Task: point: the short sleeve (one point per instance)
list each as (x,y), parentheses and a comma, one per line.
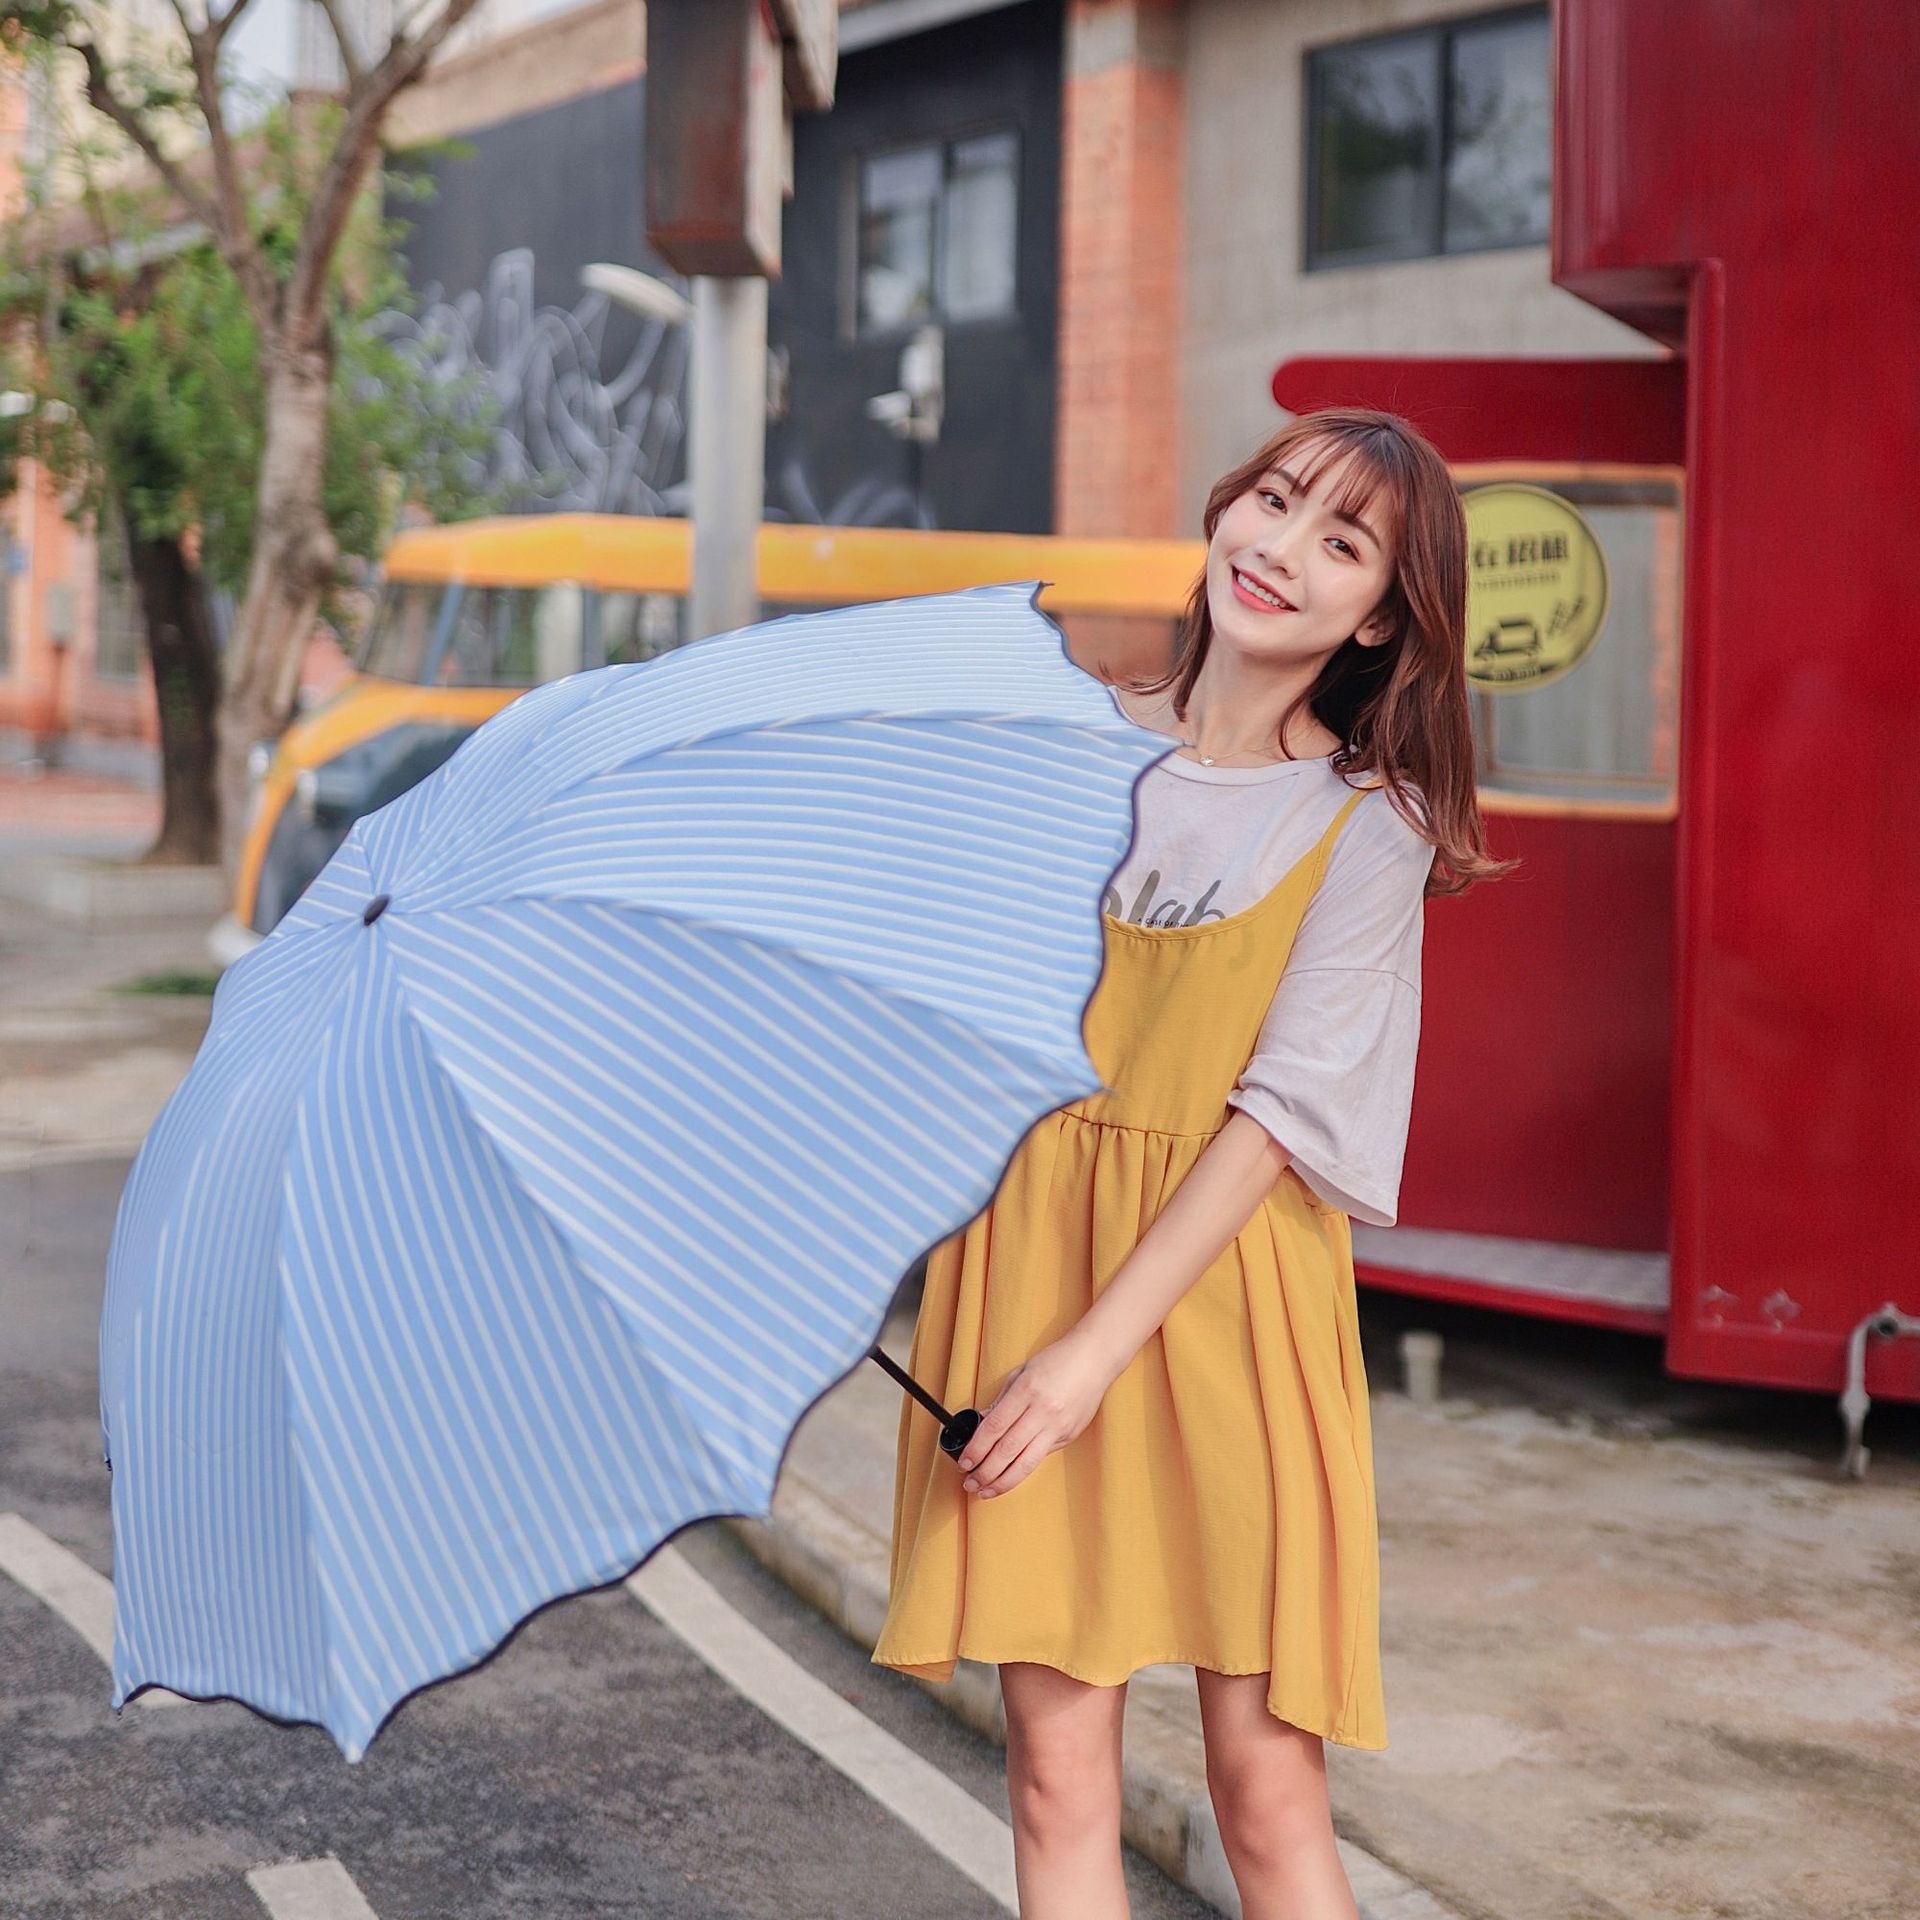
(1331,1074)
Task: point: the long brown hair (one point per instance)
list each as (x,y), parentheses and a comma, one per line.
(1400,708)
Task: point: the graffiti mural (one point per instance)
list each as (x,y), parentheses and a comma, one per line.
(571,436)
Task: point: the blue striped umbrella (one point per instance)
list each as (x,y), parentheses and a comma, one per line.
(570,1136)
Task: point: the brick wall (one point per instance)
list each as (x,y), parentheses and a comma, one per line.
(1124,130)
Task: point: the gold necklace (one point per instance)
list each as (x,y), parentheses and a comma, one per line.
(1268,759)
(1207,759)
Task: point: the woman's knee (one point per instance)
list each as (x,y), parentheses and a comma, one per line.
(1267,1779)
(1063,1746)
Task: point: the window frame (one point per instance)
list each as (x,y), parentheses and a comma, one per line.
(110,537)
(1509,787)
(853,206)
(9,545)
(1439,36)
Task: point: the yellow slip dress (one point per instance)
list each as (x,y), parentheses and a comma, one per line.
(1218,1510)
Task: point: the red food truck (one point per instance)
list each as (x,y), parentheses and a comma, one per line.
(1670,1073)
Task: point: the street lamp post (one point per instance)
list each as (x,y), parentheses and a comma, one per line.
(727,430)
(723,78)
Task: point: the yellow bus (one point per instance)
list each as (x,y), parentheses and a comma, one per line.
(471,615)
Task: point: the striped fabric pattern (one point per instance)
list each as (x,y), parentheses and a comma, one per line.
(490,1241)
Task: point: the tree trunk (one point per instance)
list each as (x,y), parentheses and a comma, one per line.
(294,554)
(186,684)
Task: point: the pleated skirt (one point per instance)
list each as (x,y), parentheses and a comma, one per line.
(1217,1512)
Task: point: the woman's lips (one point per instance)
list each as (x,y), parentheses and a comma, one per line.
(1248,599)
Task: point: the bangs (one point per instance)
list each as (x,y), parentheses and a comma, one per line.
(1367,482)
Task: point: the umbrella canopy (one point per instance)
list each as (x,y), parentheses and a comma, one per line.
(570,1136)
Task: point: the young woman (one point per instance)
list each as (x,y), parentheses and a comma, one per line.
(1156,1310)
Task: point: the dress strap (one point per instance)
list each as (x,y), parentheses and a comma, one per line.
(1339,820)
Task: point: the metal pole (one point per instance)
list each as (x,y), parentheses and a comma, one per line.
(727,450)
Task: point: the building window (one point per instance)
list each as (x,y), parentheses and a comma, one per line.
(1428,142)
(10,569)
(936,229)
(119,639)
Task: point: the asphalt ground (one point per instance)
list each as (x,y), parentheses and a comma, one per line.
(594,1766)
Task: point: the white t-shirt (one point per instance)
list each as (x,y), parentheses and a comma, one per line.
(1331,1077)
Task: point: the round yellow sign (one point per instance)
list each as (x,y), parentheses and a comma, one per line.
(1536,587)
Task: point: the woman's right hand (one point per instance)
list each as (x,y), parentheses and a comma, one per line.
(1047,1402)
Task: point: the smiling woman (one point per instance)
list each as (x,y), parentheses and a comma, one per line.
(1156,1309)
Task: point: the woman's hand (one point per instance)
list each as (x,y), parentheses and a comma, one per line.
(1047,1401)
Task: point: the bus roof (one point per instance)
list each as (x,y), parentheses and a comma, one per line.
(801,564)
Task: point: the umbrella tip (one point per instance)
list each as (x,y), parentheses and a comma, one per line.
(375,908)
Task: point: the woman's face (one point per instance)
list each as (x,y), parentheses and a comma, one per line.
(1331,573)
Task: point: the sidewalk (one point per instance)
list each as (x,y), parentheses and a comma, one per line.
(1629,1674)
(68,848)
(827,1539)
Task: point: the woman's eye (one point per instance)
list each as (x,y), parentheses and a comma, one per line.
(1267,493)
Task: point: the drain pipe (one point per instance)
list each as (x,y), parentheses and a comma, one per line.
(1888,1323)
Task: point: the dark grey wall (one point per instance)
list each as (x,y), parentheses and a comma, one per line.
(992,468)
(594,398)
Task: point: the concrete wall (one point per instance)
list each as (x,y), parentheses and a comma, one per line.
(1248,306)
(523,67)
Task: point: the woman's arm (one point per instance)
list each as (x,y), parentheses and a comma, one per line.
(1233,1174)
(1049,1401)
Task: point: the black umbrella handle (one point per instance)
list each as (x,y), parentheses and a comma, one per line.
(956,1429)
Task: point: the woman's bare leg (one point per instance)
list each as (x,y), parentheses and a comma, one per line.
(1063,1779)
(1268,1781)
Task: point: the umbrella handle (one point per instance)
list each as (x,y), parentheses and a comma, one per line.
(956,1429)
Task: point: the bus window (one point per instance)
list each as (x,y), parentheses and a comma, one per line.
(400,634)
(637,626)
(511,637)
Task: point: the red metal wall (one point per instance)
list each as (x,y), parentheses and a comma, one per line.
(1745,178)
(1541,1100)
(1541,1097)
(1739,181)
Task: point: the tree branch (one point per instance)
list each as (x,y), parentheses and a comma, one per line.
(219,25)
(232,227)
(215,27)
(404,61)
(102,97)
(349,54)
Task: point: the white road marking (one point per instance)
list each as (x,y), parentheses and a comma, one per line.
(310,1890)
(944,1815)
(81,1597)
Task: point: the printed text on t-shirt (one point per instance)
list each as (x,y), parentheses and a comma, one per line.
(1167,912)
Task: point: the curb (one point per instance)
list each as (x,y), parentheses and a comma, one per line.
(831,1562)
(96,892)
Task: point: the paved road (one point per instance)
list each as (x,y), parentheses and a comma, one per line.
(596,1766)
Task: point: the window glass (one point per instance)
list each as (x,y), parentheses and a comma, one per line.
(977,251)
(7,578)
(118,636)
(402,629)
(637,626)
(1376,146)
(1399,169)
(1499,158)
(938,232)
(1608,728)
(512,637)
(899,200)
